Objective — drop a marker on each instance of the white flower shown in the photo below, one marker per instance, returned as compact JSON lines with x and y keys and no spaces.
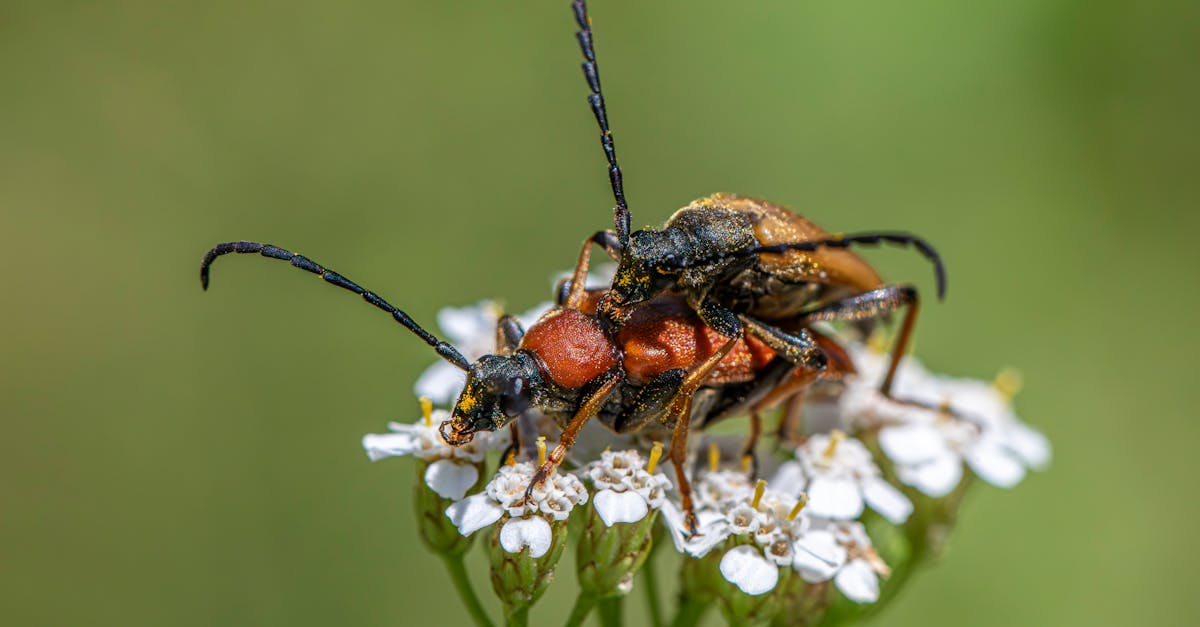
{"x":745,"y":567}
{"x":839,"y":475}
{"x":627,"y":488}
{"x":472,"y":330}
{"x":940,"y":423}
{"x":841,"y":551}
{"x":527,"y":523}
{"x":451,"y":471}
{"x":770,"y":521}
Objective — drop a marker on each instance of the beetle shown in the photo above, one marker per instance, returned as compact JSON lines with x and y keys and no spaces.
{"x":743,"y":262}
{"x":571,"y":368}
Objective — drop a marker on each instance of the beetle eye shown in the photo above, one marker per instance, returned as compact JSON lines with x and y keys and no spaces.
{"x":515,"y":399}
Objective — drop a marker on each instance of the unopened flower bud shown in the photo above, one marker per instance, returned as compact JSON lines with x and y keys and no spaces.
{"x":616,"y":537}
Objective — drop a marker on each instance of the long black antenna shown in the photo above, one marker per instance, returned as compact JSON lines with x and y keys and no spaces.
{"x":596,"y":99}
{"x":447,"y":351}
{"x":846,"y":241}
{"x":872,"y":239}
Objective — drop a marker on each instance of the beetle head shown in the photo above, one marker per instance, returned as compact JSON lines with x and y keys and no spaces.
{"x":498,"y":389}
{"x":645,"y":269}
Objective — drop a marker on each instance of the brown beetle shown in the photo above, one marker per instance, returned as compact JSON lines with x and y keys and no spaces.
{"x":742,"y":262}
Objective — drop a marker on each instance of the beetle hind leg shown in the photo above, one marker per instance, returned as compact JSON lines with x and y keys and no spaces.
{"x":877,"y":304}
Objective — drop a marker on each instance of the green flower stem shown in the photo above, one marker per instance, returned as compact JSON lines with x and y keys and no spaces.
{"x":611,"y":610}
{"x":650,"y":581}
{"x":519,"y":617}
{"x":579,"y":613}
{"x":690,"y":612}
{"x":462,"y":584}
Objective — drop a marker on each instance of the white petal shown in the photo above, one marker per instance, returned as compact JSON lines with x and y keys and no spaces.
{"x":746,"y":568}
{"x":619,"y":507}
{"x":912,"y":443}
{"x":858,"y":582}
{"x":1030,"y":445}
{"x":818,"y":556}
{"x":473,"y":513}
{"x":936,"y":478}
{"x":711,"y":530}
{"x":837,"y":499}
{"x":789,"y":479}
{"x":533,"y":532}
{"x":451,"y":479}
{"x":440,"y":383}
{"x":381,"y":445}
{"x":995,"y":465}
{"x":882,"y":497}
{"x":466,"y":325}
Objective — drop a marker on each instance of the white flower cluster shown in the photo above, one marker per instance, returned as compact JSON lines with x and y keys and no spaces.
{"x":451,"y":470}
{"x":762,"y":530}
{"x":527,"y":520}
{"x":839,"y":475}
{"x":626,"y":487}
{"x":942,"y":423}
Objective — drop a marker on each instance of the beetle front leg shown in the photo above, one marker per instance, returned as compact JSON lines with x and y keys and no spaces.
{"x":678,"y":417}
{"x":570,"y":293}
{"x":587,"y":409}
{"x":877,"y":304}
{"x":719,"y":318}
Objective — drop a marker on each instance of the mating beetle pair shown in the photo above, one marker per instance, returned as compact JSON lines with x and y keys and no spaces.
{"x":709,"y":316}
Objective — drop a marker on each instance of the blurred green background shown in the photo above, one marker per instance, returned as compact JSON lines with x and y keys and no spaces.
{"x":179,"y":458}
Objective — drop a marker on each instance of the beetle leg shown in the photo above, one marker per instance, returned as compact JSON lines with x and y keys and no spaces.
{"x":721,"y":320}
{"x":678,"y":416}
{"x":799,"y":348}
{"x":514,"y":445}
{"x":508,"y":334}
{"x":570,"y":293}
{"x":876,"y":304}
{"x":587,"y":409}
{"x":793,"y":417}
{"x":750,"y":448}
{"x":651,"y":401}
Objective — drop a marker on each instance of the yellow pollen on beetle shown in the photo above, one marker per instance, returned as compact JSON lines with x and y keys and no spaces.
{"x":835,"y":438}
{"x":1008,"y":382}
{"x":655,"y":455}
{"x":799,"y":506}
{"x":759,"y":488}
{"x":747,"y":461}
{"x":427,"y":410}
{"x":714,"y":457}
{"x":541,"y":447}
{"x":512,"y":459}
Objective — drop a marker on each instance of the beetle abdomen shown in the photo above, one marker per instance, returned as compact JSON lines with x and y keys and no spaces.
{"x":665,"y":334}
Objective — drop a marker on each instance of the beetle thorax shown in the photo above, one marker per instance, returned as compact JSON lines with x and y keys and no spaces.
{"x":571,"y":346}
